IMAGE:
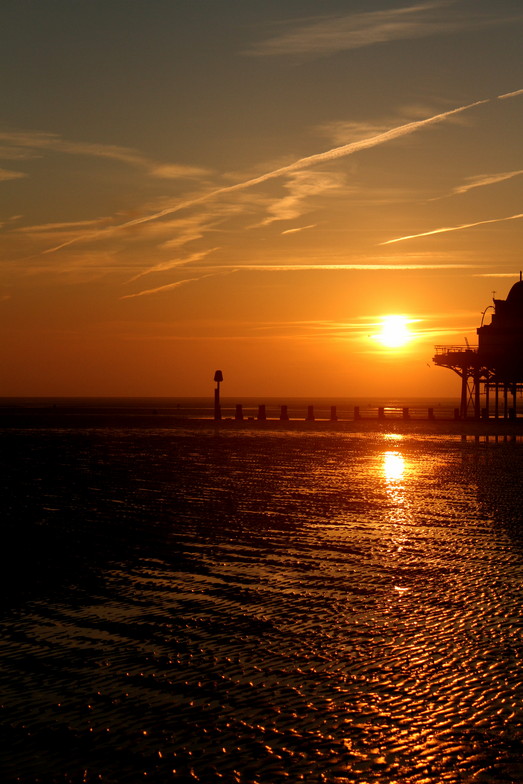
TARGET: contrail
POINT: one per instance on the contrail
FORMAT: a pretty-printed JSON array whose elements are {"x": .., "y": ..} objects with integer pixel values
[
  {"x": 173, "y": 264},
  {"x": 510, "y": 95},
  {"x": 231, "y": 269},
  {"x": 355, "y": 267},
  {"x": 166, "y": 287},
  {"x": 451, "y": 228},
  {"x": 302, "y": 163}
]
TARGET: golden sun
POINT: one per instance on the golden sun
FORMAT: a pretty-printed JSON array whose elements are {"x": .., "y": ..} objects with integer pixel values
[{"x": 394, "y": 331}]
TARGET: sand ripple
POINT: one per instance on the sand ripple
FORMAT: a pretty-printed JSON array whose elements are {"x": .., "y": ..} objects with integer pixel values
[{"x": 262, "y": 608}]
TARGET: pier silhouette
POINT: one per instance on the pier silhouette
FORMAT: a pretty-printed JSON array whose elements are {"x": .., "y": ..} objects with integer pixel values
[{"x": 492, "y": 372}]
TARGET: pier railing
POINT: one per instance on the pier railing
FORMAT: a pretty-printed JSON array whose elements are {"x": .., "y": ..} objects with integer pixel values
[{"x": 439, "y": 350}]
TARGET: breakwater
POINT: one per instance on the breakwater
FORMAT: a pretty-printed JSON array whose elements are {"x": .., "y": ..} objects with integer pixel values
[{"x": 356, "y": 413}]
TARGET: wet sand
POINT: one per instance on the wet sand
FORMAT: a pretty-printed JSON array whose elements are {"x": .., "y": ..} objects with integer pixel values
[{"x": 256, "y": 605}]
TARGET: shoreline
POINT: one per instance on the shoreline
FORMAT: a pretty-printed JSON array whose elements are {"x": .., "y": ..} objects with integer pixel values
[{"x": 41, "y": 419}]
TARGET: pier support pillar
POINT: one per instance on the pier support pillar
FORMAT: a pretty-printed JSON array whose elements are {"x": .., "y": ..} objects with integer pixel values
[
  {"x": 262, "y": 414},
  {"x": 477, "y": 405},
  {"x": 284, "y": 414},
  {"x": 239, "y": 412},
  {"x": 334, "y": 415},
  {"x": 464, "y": 391},
  {"x": 381, "y": 413},
  {"x": 310, "y": 414}
]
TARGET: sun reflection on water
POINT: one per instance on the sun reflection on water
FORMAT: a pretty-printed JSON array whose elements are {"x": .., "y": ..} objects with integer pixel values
[
  {"x": 393, "y": 466},
  {"x": 395, "y": 470}
]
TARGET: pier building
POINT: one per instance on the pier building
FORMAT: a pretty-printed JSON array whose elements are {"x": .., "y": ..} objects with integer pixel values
[{"x": 491, "y": 372}]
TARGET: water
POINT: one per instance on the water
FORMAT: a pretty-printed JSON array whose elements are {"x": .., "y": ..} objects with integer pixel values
[{"x": 260, "y": 607}]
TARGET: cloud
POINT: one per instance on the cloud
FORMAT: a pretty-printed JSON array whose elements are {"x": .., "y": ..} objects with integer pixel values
[
  {"x": 227, "y": 269},
  {"x": 63, "y": 228},
  {"x": 482, "y": 180},
  {"x": 306, "y": 162},
  {"x": 357, "y": 30},
  {"x": 494, "y": 275},
  {"x": 9, "y": 221},
  {"x": 177, "y": 171},
  {"x": 342, "y": 267},
  {"x": 7, "y": 174},
  {"x": 300, "y": 228},
  {"x": 24, "y": 144},
  {"x": 341, "y": 131},
  {"x": 166, "y": 287},
  {"x": 318, "y": 267},
  {"x": 510, "y": 95},
  {"x": 452, "y": 228},
  {"x": 301, "y": 187},
  {"x": 174, "y": 263}
]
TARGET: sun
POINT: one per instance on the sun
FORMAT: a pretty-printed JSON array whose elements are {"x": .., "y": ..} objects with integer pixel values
[{"x": 394, "y": 331}]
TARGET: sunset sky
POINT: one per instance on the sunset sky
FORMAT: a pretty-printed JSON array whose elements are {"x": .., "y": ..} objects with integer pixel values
[{"x": 252, "y": 186}]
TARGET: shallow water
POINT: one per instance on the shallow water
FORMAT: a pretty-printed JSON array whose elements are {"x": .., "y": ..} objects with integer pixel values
[{"x": 251, "y": 607}]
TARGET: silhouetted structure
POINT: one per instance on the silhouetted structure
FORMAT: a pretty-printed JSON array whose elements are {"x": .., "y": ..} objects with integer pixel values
[
  {"x": 218, "y": 377},
  {"x": 492, "y": 371}
]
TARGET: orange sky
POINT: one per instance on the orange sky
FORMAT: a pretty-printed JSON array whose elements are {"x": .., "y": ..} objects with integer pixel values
[{"x": 188, "y": 186}]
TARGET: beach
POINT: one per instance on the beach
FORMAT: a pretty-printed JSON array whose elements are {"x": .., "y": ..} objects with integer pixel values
[{"x": 261, "y": 605}]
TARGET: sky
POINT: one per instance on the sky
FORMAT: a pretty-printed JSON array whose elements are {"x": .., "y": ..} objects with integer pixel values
[{"x": 192, "y": 185}]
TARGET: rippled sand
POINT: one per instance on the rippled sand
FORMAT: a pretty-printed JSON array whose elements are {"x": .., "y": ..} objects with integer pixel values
[{"x": 261, "y": 607}]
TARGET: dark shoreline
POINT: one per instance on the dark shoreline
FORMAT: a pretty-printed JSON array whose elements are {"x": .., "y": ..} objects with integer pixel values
[{"x": 29, "y": 418}]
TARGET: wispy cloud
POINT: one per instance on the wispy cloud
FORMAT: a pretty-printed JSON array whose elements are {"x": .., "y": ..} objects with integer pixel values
[
  {"x": 339, "y": 33},
  {"x": 482, "y": 180},
  {"x": 511, "y": 95},
  {"x": 297, "y": 229},
  {"x": 343, "y": 267},
  {"x": 170, "y": 264},
  {"x": 494, "y": 275},
  {"x": 211, "y": 270},
  {"x": 166, "y": 287},
  {"x": 9, "y": 221},
  {"x": 301, "y": 186},
  {"x": 306, "y": 162},
  {"x": 8, "y": 174},
  {"x": 62, "y": 229},
  {"x": 25, "y": 144},
  {"x": 445, "y": 229}
]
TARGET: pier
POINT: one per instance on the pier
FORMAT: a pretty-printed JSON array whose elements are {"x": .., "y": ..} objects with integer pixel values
[{"x": 491, "y": 372}]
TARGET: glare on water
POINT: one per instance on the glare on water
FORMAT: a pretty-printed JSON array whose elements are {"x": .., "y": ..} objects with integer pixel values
[{"x": 263, "y": 607}]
